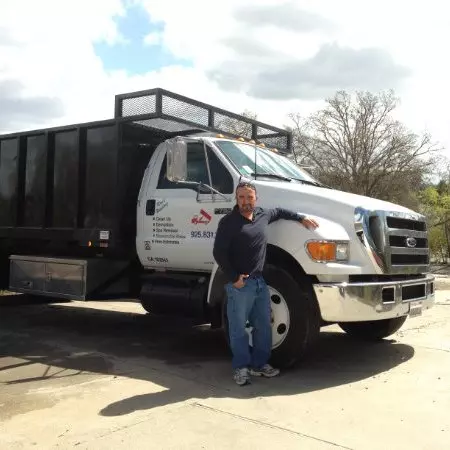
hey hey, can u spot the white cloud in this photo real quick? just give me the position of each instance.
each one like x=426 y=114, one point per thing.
x=153 y=38
x=414 y=35
x=49 y=54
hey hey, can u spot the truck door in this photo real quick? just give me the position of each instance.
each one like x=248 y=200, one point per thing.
x=180 y=222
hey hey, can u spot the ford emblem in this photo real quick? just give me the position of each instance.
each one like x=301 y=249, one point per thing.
x=411 y=242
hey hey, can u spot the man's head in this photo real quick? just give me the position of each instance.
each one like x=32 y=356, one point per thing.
x=246 y=197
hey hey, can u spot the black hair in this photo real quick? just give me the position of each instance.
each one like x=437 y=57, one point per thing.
x=246 y=184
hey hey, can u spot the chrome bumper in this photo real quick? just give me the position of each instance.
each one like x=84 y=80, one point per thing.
x=356 y=302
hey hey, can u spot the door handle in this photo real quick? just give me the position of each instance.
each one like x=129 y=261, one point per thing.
x=150 y=207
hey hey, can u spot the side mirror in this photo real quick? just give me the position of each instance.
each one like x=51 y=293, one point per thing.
x=176 y=160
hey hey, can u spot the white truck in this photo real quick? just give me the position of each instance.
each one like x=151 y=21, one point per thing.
x=143 y=206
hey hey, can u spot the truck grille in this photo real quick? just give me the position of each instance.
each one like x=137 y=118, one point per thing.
x=406 y=224
x=407 y=243
x=400 y=241
x=396 y=242
x=406 y=260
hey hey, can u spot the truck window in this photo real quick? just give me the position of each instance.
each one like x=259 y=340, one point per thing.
x=197 y=171
x=242 y=155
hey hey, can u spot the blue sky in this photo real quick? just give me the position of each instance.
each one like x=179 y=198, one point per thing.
x=134 y=55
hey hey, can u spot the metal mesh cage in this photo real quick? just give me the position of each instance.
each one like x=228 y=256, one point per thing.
x=166 y=111
x=183 y=110
x=229 y=124
x=263 y=131
x=138 y=105
x=278 y=142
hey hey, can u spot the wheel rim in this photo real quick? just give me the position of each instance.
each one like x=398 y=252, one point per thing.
x=280 y=319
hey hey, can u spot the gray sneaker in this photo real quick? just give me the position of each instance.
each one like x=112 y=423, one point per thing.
x=241 y=376
x=265 y=371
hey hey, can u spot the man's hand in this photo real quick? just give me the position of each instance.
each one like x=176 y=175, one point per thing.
x=240 y=283
x=309 y=223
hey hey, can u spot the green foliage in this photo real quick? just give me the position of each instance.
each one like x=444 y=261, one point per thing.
x=438 y=244
x=435 y=204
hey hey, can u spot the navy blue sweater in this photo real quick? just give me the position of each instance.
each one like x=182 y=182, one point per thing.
x=240 y=244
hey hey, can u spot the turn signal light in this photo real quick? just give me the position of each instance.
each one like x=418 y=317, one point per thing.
x=324 y=251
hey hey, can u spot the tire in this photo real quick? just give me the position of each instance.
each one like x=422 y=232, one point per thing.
x=303 y=317
x=374 y=330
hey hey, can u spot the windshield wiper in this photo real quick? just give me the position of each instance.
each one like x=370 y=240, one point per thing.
x=312 y=183
x=271 y=175
x=283 y=178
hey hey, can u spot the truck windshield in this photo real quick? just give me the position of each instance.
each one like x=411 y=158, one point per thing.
x=267 y=162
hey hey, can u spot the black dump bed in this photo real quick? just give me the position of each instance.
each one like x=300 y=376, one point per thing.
x=73 y=190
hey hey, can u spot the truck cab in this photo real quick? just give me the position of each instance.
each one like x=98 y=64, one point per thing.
x=364 y=267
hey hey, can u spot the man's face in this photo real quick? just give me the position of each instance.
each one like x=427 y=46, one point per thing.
x=246 y=199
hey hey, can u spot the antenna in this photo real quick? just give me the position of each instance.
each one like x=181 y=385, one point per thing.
x=254 y=146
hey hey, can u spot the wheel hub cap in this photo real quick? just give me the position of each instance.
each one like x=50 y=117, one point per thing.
x=279 y=318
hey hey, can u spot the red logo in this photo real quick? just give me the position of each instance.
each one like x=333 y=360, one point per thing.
x=203 y=218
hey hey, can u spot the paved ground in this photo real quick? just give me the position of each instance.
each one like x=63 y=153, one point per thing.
x=106 y=375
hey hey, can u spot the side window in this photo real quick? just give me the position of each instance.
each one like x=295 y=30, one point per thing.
x=197 y=170
x=196 y=163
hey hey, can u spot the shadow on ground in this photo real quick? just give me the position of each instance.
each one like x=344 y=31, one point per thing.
x=165 y=350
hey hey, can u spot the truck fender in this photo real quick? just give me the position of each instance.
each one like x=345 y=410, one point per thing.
x=329 y=229
x=291 y=236
x=279 y=240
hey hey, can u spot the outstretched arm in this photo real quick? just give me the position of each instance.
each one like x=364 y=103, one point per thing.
x=286 y=214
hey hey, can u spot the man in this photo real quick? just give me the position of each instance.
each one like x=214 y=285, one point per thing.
x=240 y=251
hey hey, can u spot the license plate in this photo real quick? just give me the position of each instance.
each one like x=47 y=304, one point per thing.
x=415 y=309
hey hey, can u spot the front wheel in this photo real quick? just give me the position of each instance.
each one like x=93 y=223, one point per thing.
x=374 y=330
x=295 y=317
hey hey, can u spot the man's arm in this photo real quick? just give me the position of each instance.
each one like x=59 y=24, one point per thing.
x=286 y=214
x=281 y=213
x=221 y=248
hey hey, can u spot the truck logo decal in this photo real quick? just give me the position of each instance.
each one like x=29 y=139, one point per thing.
x=203 y=218
x=411 y=242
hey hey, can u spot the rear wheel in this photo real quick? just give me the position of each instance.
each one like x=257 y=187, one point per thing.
x=374 y=330
x=295 y=317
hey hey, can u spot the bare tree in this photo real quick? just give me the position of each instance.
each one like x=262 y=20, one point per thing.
x=356 y=145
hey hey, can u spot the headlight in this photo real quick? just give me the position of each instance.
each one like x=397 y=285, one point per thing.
x=327 y=251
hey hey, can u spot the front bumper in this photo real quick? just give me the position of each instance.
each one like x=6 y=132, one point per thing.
x=356 y=302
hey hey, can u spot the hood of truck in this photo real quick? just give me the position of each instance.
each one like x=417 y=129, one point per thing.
x=315 y=198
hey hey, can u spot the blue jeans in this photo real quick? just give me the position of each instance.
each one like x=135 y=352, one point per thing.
x=250 y=303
